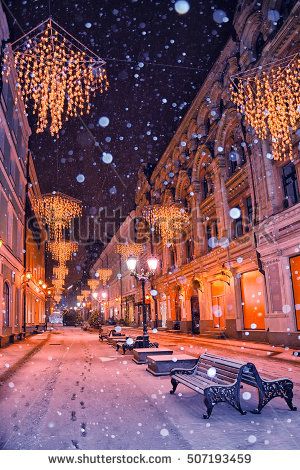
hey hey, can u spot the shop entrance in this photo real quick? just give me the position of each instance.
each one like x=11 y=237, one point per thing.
x=253 y=300
x=295 y=272
x=218 y=304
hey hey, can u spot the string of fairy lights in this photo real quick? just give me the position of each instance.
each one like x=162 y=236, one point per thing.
x=269 y=99
x=169 y=221
x=56 y=73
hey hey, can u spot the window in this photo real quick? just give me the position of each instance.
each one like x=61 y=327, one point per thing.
x=249 y=209
x=10 y=109
x=208 y=237
x=259 y=46
x=3 y=218
x=172 y=257
x=253 y=300
x=205 y=188
x=189 y=250
x=6 y=154
x=290 y=185
x=238 y=229
x=6 y=303
x=2 y=133
x=215 y=229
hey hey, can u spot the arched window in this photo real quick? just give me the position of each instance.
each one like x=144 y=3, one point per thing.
x=259 y=45
x=205 y=189
x=235 y=151
x=6 y=303
x=290 y=185
x=172 y=257
x=189 y=250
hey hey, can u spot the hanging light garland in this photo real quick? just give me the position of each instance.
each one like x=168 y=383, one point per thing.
x=270 y=101
x=57 y=298
x=129 y=249
x=86 y=293
x=168 y=220
x=93 y=284
x=60 y=272
x=58 y=283
x=63 y=250
x=104 y=274
x=56 y=72
x=57 y=210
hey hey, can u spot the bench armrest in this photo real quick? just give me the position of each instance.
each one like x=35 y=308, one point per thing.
x=183 y=371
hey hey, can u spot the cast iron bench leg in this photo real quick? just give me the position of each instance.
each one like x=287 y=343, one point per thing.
x=217 y=394
x=277 y=388
x=174 y=385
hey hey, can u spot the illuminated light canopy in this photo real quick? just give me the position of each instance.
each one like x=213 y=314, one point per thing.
x=58 y=284
x=62 y=251
x=86 y=293
x=168 y=220
x=129 y=249
x=60 y=272
x=269 y=98
x=93 y=284
x=56 y=72
x=104 y=275
x=57 y=210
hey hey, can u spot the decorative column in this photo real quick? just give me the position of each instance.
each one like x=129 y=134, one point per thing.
x=196 y=220
x=219 y=171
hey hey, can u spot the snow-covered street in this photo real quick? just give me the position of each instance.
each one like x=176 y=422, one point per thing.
x=77 y=392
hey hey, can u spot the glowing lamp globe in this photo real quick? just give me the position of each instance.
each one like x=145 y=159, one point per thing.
x=152 y=263
x=95 y=295
x=131 y=263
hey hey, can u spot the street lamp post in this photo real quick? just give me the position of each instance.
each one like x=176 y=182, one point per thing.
x=143 y=277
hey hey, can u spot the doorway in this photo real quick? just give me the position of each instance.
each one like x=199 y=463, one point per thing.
x=195 y=310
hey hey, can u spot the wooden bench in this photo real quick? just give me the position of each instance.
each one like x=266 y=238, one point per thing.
x=220 y=380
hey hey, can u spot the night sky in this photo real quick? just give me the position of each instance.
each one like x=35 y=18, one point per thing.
x=156 y=59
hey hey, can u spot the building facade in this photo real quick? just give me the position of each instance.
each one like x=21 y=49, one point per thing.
x=14 y=135
x=35 y=286
x=236 y=269
x=122 y=294
x=22 y=237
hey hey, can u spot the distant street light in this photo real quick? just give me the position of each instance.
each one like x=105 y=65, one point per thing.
x=142 y=277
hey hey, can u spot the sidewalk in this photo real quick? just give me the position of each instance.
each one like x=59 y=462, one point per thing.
x=281 y=353
x=14 y=355
x=271 y=361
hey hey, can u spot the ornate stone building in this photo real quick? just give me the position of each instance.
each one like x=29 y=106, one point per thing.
x=20 y=251
x=236 y=269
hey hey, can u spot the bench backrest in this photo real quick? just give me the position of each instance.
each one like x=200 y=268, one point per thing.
x=218 y=369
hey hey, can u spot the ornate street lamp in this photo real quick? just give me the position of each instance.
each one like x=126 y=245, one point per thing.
x=142 y=277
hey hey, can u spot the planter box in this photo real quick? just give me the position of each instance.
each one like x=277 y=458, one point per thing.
x=140 y=354
x=162 y=365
